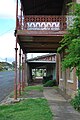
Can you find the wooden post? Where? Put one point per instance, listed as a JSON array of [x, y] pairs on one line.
[[19, 84], [57, 68], [15, 80], [16, 14], [22, 73], [21, 18]]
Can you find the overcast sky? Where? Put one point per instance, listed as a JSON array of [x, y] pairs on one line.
[[7, 27]]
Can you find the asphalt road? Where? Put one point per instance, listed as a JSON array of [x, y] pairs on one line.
[[6, 83]]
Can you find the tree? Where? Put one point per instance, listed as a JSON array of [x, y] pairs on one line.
[[13, 64], [71, 42], [1, 67]]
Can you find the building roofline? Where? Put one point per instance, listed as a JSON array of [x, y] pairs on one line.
[[38, 57]]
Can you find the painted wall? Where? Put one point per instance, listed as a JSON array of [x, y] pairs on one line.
[[78, 1], [51, 70]]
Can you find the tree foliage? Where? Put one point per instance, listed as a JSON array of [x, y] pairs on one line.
[[71, 42]]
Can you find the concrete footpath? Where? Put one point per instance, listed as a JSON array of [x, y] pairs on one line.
[[61, 108]]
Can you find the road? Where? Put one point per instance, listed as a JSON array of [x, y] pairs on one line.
[[6, 83]]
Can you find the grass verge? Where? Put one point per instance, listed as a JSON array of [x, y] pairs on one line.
[[30, 109], [36, 87], [27, 89]]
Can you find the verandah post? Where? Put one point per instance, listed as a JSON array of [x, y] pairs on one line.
[[22, 72], [19, 84], [15, 80]]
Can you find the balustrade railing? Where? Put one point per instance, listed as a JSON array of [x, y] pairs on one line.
[[55, 23]]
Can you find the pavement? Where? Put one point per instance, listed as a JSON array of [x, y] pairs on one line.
[[60, 107], [28, 94]]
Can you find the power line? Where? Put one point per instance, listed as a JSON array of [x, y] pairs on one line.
[[2, 59], [7, 31]]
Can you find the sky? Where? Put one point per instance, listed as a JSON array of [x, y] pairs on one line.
[[7, 27]]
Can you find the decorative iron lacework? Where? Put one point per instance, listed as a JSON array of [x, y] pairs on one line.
[[39, 22]]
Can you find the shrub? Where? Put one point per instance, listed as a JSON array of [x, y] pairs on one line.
[[76, 101], [50, 83], [46, 79]]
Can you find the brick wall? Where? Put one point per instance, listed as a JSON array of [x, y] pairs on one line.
[[67, 81]]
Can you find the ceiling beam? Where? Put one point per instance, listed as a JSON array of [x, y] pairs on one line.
[[37, 41], [41, 46], [46, 50]]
